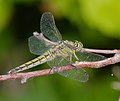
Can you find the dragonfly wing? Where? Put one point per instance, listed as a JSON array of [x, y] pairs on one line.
[[37, 46], [78, 74], [89, 57], [48, 27]]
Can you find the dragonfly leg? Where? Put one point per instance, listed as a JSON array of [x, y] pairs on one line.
[[54, 69], [75, 56], [70, 57]]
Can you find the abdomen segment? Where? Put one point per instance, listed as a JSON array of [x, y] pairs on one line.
[[37, 61]]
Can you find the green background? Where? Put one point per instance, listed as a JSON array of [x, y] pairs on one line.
[[96, 23]]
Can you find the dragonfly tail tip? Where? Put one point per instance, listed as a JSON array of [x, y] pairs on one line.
[[12, 71]]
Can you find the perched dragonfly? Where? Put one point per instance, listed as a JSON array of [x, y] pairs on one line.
[[56, 52]]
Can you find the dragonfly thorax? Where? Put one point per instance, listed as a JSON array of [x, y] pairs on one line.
[[76, 46]]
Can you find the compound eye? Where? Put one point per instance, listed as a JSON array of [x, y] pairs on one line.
[[76, 45]]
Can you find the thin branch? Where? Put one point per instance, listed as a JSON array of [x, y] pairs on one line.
[[119, 98], [101, 51], [97, 64]]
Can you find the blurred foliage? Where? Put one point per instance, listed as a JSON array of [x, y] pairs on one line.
[[6, 11], [101, 15], [93, 22]]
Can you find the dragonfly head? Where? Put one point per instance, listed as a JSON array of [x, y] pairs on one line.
[[77, 46]]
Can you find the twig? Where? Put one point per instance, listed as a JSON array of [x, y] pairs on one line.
[[119, 99], [97, 64], [101, 51]]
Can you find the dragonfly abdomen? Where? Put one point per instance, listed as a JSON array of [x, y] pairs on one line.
[[37, 61]]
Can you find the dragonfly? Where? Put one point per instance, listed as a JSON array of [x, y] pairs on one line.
[[56, 52]]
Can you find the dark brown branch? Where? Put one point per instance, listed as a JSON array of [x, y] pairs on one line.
[[98, 64]]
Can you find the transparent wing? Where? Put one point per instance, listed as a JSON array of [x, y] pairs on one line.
[[78, 74], [37, 46], [48, 27], [85, 56]]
